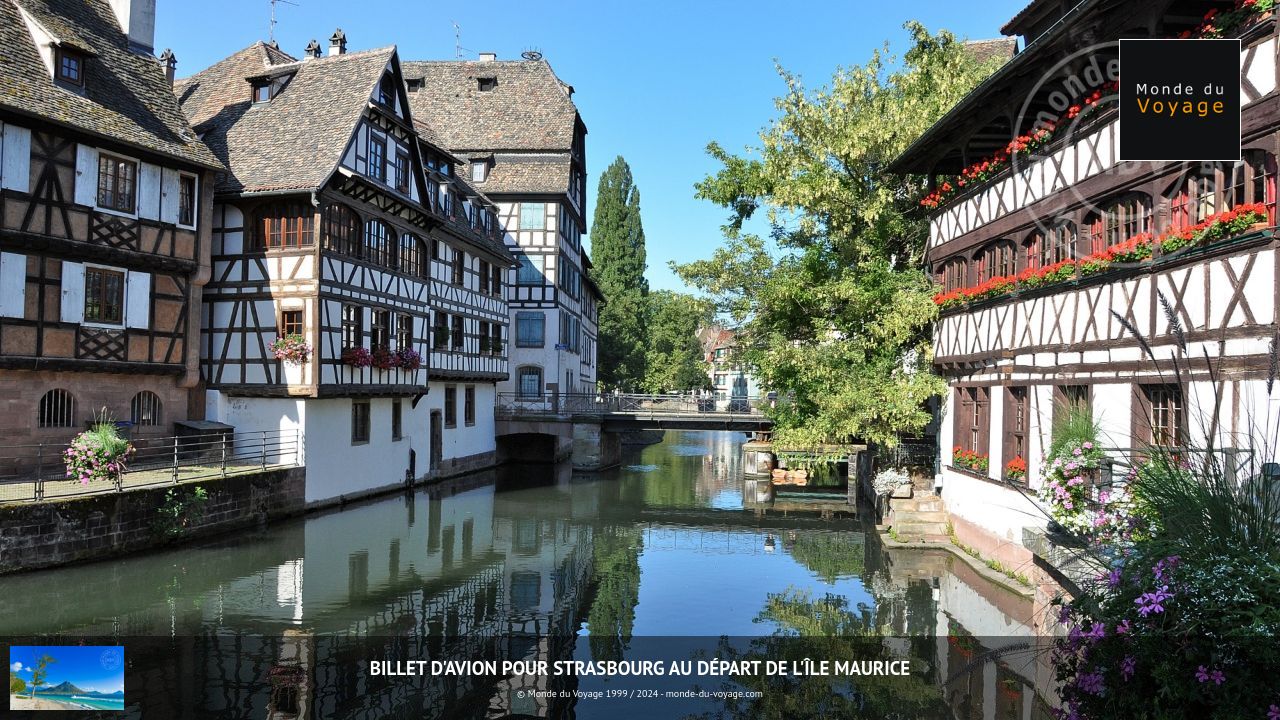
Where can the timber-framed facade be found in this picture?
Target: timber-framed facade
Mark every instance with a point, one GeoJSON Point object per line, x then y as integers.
{"type": "Point", "coordinates": [1052, 270]}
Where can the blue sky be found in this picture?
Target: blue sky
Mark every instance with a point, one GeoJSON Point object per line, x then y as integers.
{"type": "Point", "coordinates": [655, 81]}
{"type": "Point", "coordinates": [86, 667]}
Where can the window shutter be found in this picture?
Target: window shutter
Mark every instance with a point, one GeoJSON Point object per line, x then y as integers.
{"type": "Point", "coordinates": [13, 285]}
{"type": "Point", "coordinates": [137, 302]}
{"type": "Point", "coordinates": [86, 175]}
{"type": "Point", "coordinates": [169, 196]}
{"type": "Point", "coordinates": [148, 191]}
{"type": "Point", "coordinates": [1097, 234]}
{"type": "Point", "coordinates": [1179, 211]}
{"type": "Point", "coordinates": [15, 162]}
{"type": "Point", "coordinates": [72, 310]}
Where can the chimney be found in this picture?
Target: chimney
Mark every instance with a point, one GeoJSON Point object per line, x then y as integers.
{"type": "Point", "coordinates": [170, 64]}
{"type": "Point", "coordinates": [488, 57]}
{"type": "Point", "coordinates": [137, 19]}
{"type": "Point", "coordinates": [338, 43]}
{"type": "Point", "coordinates": [312, 51]}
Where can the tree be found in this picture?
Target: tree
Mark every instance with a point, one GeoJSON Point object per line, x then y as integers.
{"type": "Point", "coordinates": [40, 672]}
{"type": "Point", "coordinates": [673, 358]}
{"type": "Point", "coordinates": [618, 256]}
{"type": "Point", "coordinates": [16, 684]}
{"type": "Point", "coordinates": [835, 319]}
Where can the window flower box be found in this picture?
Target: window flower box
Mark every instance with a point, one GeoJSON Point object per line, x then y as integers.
{"type": "Point", "coordinates": [408, 359]}
{"type": "Point", "coordinates": [291, 349]}
{"type": "Point", "coordinates": [357, 357]}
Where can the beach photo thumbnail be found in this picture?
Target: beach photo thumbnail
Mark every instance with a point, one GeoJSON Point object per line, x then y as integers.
{"type": "Point", "coordinates": [66, 677]}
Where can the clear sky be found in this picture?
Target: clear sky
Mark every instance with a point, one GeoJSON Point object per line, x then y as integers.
{"type": "Point", "coordinates": [654, 81]}
{"type": "Point", "coordinates": [90, 668]}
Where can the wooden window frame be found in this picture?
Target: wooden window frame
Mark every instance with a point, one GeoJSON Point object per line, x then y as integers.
{"type": "Point", "coordinates": [527, 279]}
{"type": "Point", "coordinates": [529, 370]}
{"type": "Point", "coordinates": [402, 171]}
{"type": "Point", "coordinates": [292, 321]}
{"type": "Point", "coordinates": [973, 419]}
{"type": "Point", "coordinates": [458, 267]}
{"type": "Point", "coordinates": [61, 56]}
{"type": "Point", "coordinates": [352, 326]}
{"type": "Point", "coordinates": [96, 316]}
{"type": "Point", "coordinates": [495, 282]}
{"type": "Point", "coordinates": [954, 274]}
{"type": "Point", "coordinates": [1148, 399]}
{"type": "Point", "coordinates": [520, 216]}
{"type": "Point", "coordinates": [440, 331]}
{"type": "Point", "coordinates": [997, 259]}
{"type": "Point", "coordinates": [404, 332]}
{"type": "Point", "coordinates": [1253, 180]}
{"type": "Point", "coordinates": [397, 420]}
{"type": "Point", "coordinates": [360, 422]}
{"type": "Point", "coordinates": [1017, 424]}
{"type": "Point", "coordinates": [1195, 196]}
{"type": "Point", "coordinates": [341, 229]}
{"type": "Point", "coordinates": [378, 169]}
{"type": "Point", "coordinates": [412, 256]}
{"type": "Point", "coordinates": [528, 317]}
{"type": "Point", "coordinates": [469, 406]}
{"type": "Point", "coordinates": [1116, 221]}
{"type": "Point", "coordinates": [457, 332]}
{"type": "Point", "coordinates": [377, 245]}
{"type": "Point", "coordinates": [285, 225]}
{"type": "Point", "coordinates": [486, 276]}
{"type": "Point", "coordinates": [110, 181]}
{"type": "Point", "coordinates": [380, 329]}
{"type": "Point", "coordinates": [450, 406]}
{"type": "Point", "coordinates": [387, 92]}
{"type": "Point", "coordinates": [188, 199]}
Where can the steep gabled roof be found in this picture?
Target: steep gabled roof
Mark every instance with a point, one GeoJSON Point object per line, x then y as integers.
{"type": "Point", "coordinates": [526, 173]}
{"type": "Point", "coordinates": [126, 96]}
{"type": "Point", "coordinates": [529, 109]}
{"type": "Point", "coordinates": [294, 141]}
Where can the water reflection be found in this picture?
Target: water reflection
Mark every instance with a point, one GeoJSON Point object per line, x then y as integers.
{"type": "Point", "coordinates": [536, 563]}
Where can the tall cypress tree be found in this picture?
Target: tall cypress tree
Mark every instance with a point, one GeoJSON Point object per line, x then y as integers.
{"type": "Point", "coordinates": [618, 256]}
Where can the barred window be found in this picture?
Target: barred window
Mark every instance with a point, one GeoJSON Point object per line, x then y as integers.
{"type": "Point", "coordinates": [144, 409]}
{"type": "Point", "coordinates": [57, 409]}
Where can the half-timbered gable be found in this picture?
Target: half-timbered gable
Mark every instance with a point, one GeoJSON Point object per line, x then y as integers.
{"type": "Point", "coordinates": [1049, 266]}
{"type": "Point", "coordinates": [104, 230]}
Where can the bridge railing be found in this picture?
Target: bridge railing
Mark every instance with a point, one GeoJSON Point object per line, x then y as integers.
{"type": "Point", "coordinates": [512, 404]}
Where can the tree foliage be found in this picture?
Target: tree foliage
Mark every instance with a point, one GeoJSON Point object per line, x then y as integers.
{"type": "Point", "coordinates": [673, 357]}
{"type": "Point", "coordinates": [618, 256]}
{"type": "Point", "coordinates": [834, 307]}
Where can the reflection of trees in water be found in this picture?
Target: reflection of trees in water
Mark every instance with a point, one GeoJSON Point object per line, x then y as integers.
{"type": "Point", "coordinates": [831, 555]}
{"type": "Point", "coordinates": [616, 551]}
{"type": "Point", "coordinates": [818, 629]}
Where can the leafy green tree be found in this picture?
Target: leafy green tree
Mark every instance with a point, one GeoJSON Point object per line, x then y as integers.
{"type": "Point", "coordinates": [673, 358]}
{"type": "Point", "coordinates": [40, 672]}
{"type": "Point", "coordinates": [618, 257]}
{"type": "Point", "coordinates": [833, 308]}
{"type": "Point", "coordinates": [16, 684]}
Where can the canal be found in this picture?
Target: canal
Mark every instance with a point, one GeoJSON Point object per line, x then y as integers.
{"type": "Point", "coordinates": [674, 556]}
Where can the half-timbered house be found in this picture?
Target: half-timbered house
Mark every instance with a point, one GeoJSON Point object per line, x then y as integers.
{"type": "Point", "coordinates": [321, 247]}
{"type": "Point", "coordinates": [104, 223]}
{"type": "Point", "coordinates": [1052, 266]}
{"type": "Point", "coordinates": [515, 125]}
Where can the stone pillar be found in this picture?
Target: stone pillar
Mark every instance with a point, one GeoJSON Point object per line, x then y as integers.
{"type": "Point", "coordinates": [758, 458]}
{"type": "Point", "coordinates": [593, 448]}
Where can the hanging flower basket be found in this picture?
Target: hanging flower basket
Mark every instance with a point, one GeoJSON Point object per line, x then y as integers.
{"type": "Point", "coordinates": [357, 357]}
{"type": "Point", "coordinates": [99, 453]}
{"type": "Point", "coordinates": [291, 349]}
{"type": "Point", "coordinates": [383, 359]}
{"type": "Point", "coordinates": [408, 359]}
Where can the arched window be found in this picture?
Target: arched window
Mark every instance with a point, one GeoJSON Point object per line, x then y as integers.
{"type": "Point", "coordinates": [413, 255]}
{"type": "Point", "coordinates": [1118, 220]}
{"type": "Point", "coordinates": [1253, 180]}
{"type": "Point", "coordinates": [144, 409]}
{"type": "Point", "coordinates": [377, 243]}
{"type": "Point", "coordinates": [1194, 198]}
{"type": "Point", "coordinates": [954, 274]}
{"type": "Point", "coordinates": [1046, 247]}
{"type": "Point", "coordinates": [285, 225]}
{"type": "Point", "coordinates": [529, 381]}
{"type": "Point", "coordinates": [996, 260]}
{"type": "Point", "coordinates": [340, 229]}
{"type": "Point", "coordinates": [57, 409]}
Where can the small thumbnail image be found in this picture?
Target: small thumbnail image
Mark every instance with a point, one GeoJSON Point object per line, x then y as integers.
{"type": "Point", "coordinates": [66, 677]}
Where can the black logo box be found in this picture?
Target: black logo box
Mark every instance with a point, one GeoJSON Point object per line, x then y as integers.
{"type": "Point", "coordinates": [1191, 65]}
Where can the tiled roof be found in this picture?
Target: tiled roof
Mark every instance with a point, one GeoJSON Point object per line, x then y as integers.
{"type": "Point", "coordinates": [529, 109]}
{"type": "Point", "coordinates": [126, 95]}
{"type": "Point", "coordinates": [294, 141]}
{"type": "Point", "coordinates": [528, 173]}
{"type": "Point", "coordinates": [985, 50]}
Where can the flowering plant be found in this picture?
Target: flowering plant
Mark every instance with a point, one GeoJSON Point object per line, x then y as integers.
{"type": "Point", "coordinates": [888, 480]}
{"type": "Point", "coordinates": [1221, 24]}
{"type": "Point", "coordinates": [1048, 274]}
{"type": "Point", "coordinates": [382, 359]}
{"type": "Point", "coordinates": [357, 357]}
{"type": "Point", "coordinates": [408, 358]}
{"type": "Point", "coordinates": [291, 349]}
{"type": "Point", "coordinates": [1067, 485]}
{"type": "Point", "coordinates": [971, 459]}
{"type": "Point", "coordinates": [99, 453]}
{"type": "Point", "coordinates": [1015, 469]}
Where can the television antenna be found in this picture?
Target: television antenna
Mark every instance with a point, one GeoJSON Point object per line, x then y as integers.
{"type": "Point", "coordinates": [457, 40]}
{"type": "Point", "coordinates": [271, 30]}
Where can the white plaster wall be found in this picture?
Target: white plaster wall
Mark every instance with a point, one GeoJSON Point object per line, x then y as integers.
{"type": "Point", "coordinates": [947, 427]}
{"type": "Point", "coordinates": [1113, 411]}
{"type": "Point", "coordinates": [1001, 510]}
{"type": "Point", "coordinates": [995, 431]}
{"type": "Point", "coordinates": [336, 467]}
{"type": "Point", "coordinates": [461, 441]}
{"type": "Point", "coordinates": [279, 417]}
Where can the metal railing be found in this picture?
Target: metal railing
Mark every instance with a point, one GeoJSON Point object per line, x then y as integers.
{"type": "Point", "coordinates": [38, 472]}
{"type": "Point", "coordinates": [510, 404]}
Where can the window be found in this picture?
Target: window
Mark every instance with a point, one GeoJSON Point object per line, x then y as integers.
{"type": "Point", "coordinates": [954, 275]}
{"type": "Point", "coordinates": [459, 266]}
{"type": "Point", "coordinates": [437, 250]}
{"type": "Point", "coordinates": [285, 225]}
{"type": "Point", "coordinates": [1165, 416]}
{"type": "Point", "coordinates": [479, 170]}
{"type": "Point", "coordinates": [533, 216]}
{"type": "Point", "coordinates": [377, 243]}
{"type": "Point", "coordinates": [440, 331]}
{"type": "Point", "coordinates": [722, 380]}
{"type": "Point", "coordinates": [996, 260]}
{"type": "Point", "coordinates": [469, 405]}
{"type": "Point", "coordinates": [387, 91]}
{"type": "Point", "coordinates": [570, 328]}
{"type": "Point", "coordinates": [486, 84]}
{"type": "Point", "coordinates": [1194, 199]}
{"type": "Point", "coordinates": [70, 66]}
{"type": "Point", "coordinates": [187, 202]}
{"type": "Point", "coordinates": [450, 406]}
{"type": "Point", "coordinates": [413, 256]}
{"type": "Point", "coordinates": [262, 91]}
{"type": "Point", "coordinates": [531, 270]}
{"type": "Point", "coordinates": [103, 296]}
{"type": "Point", "coordinates": [352, 326]}
{"type": "Point", "coordinates": [495, 284]}
{"type": "Point", "coordinates": [117, 183]}
{"type": "Point", "coordinates": [402, 172]}
{"type": "Point", "coordinates": [1118, 221]}
{"type": "Point", "coordinates": [485, 277]}
{"type": "Point", "coordinates": [359, 422]}
{"type": "Point", "coordinates": [57, 409]}
{"type": "Point", "coordinates": [529, 382]}
{"type": "Point", "coordinates": [380, 330]}
{"type": "Point", "coordinates": [570, 280]}
{"type": "Point", "coordinates": [404, 331]}
{"type": "Point", "coordinates": [1253, 180]}
{"type": "Point", "coordinates": [1016, 423]}
{"type": "Point", "coordinates": [340, 229]}
{"type": "Point", "coordinates": [456, 335]}
{"type": "Point", "coordinates": [971, 418]}
{"type": "Point", "coordinates": [1047, 247]}
{"type": "Point", "coordinates": [377, 158]}
{"type": "Point", "coordinates": [397, 420]}
{"type": "Point", "coordinates": [530, 329]}
{"type": "Point", "coordinates": [290, 322]}
{"type": "Point", "coordinates": [144, 409]}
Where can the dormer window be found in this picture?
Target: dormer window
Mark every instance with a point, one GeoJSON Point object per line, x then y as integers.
{"type": "Point", "coordinates": [486, 84]}
{"type": "Point", "coordinates": [262, 92]}
{"type": "Point", "coordinates": [479, 170]}
{"type": "Point", "coordinates": [69, 66]}
{"type": "Point", "coordinates": [387, 91]}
